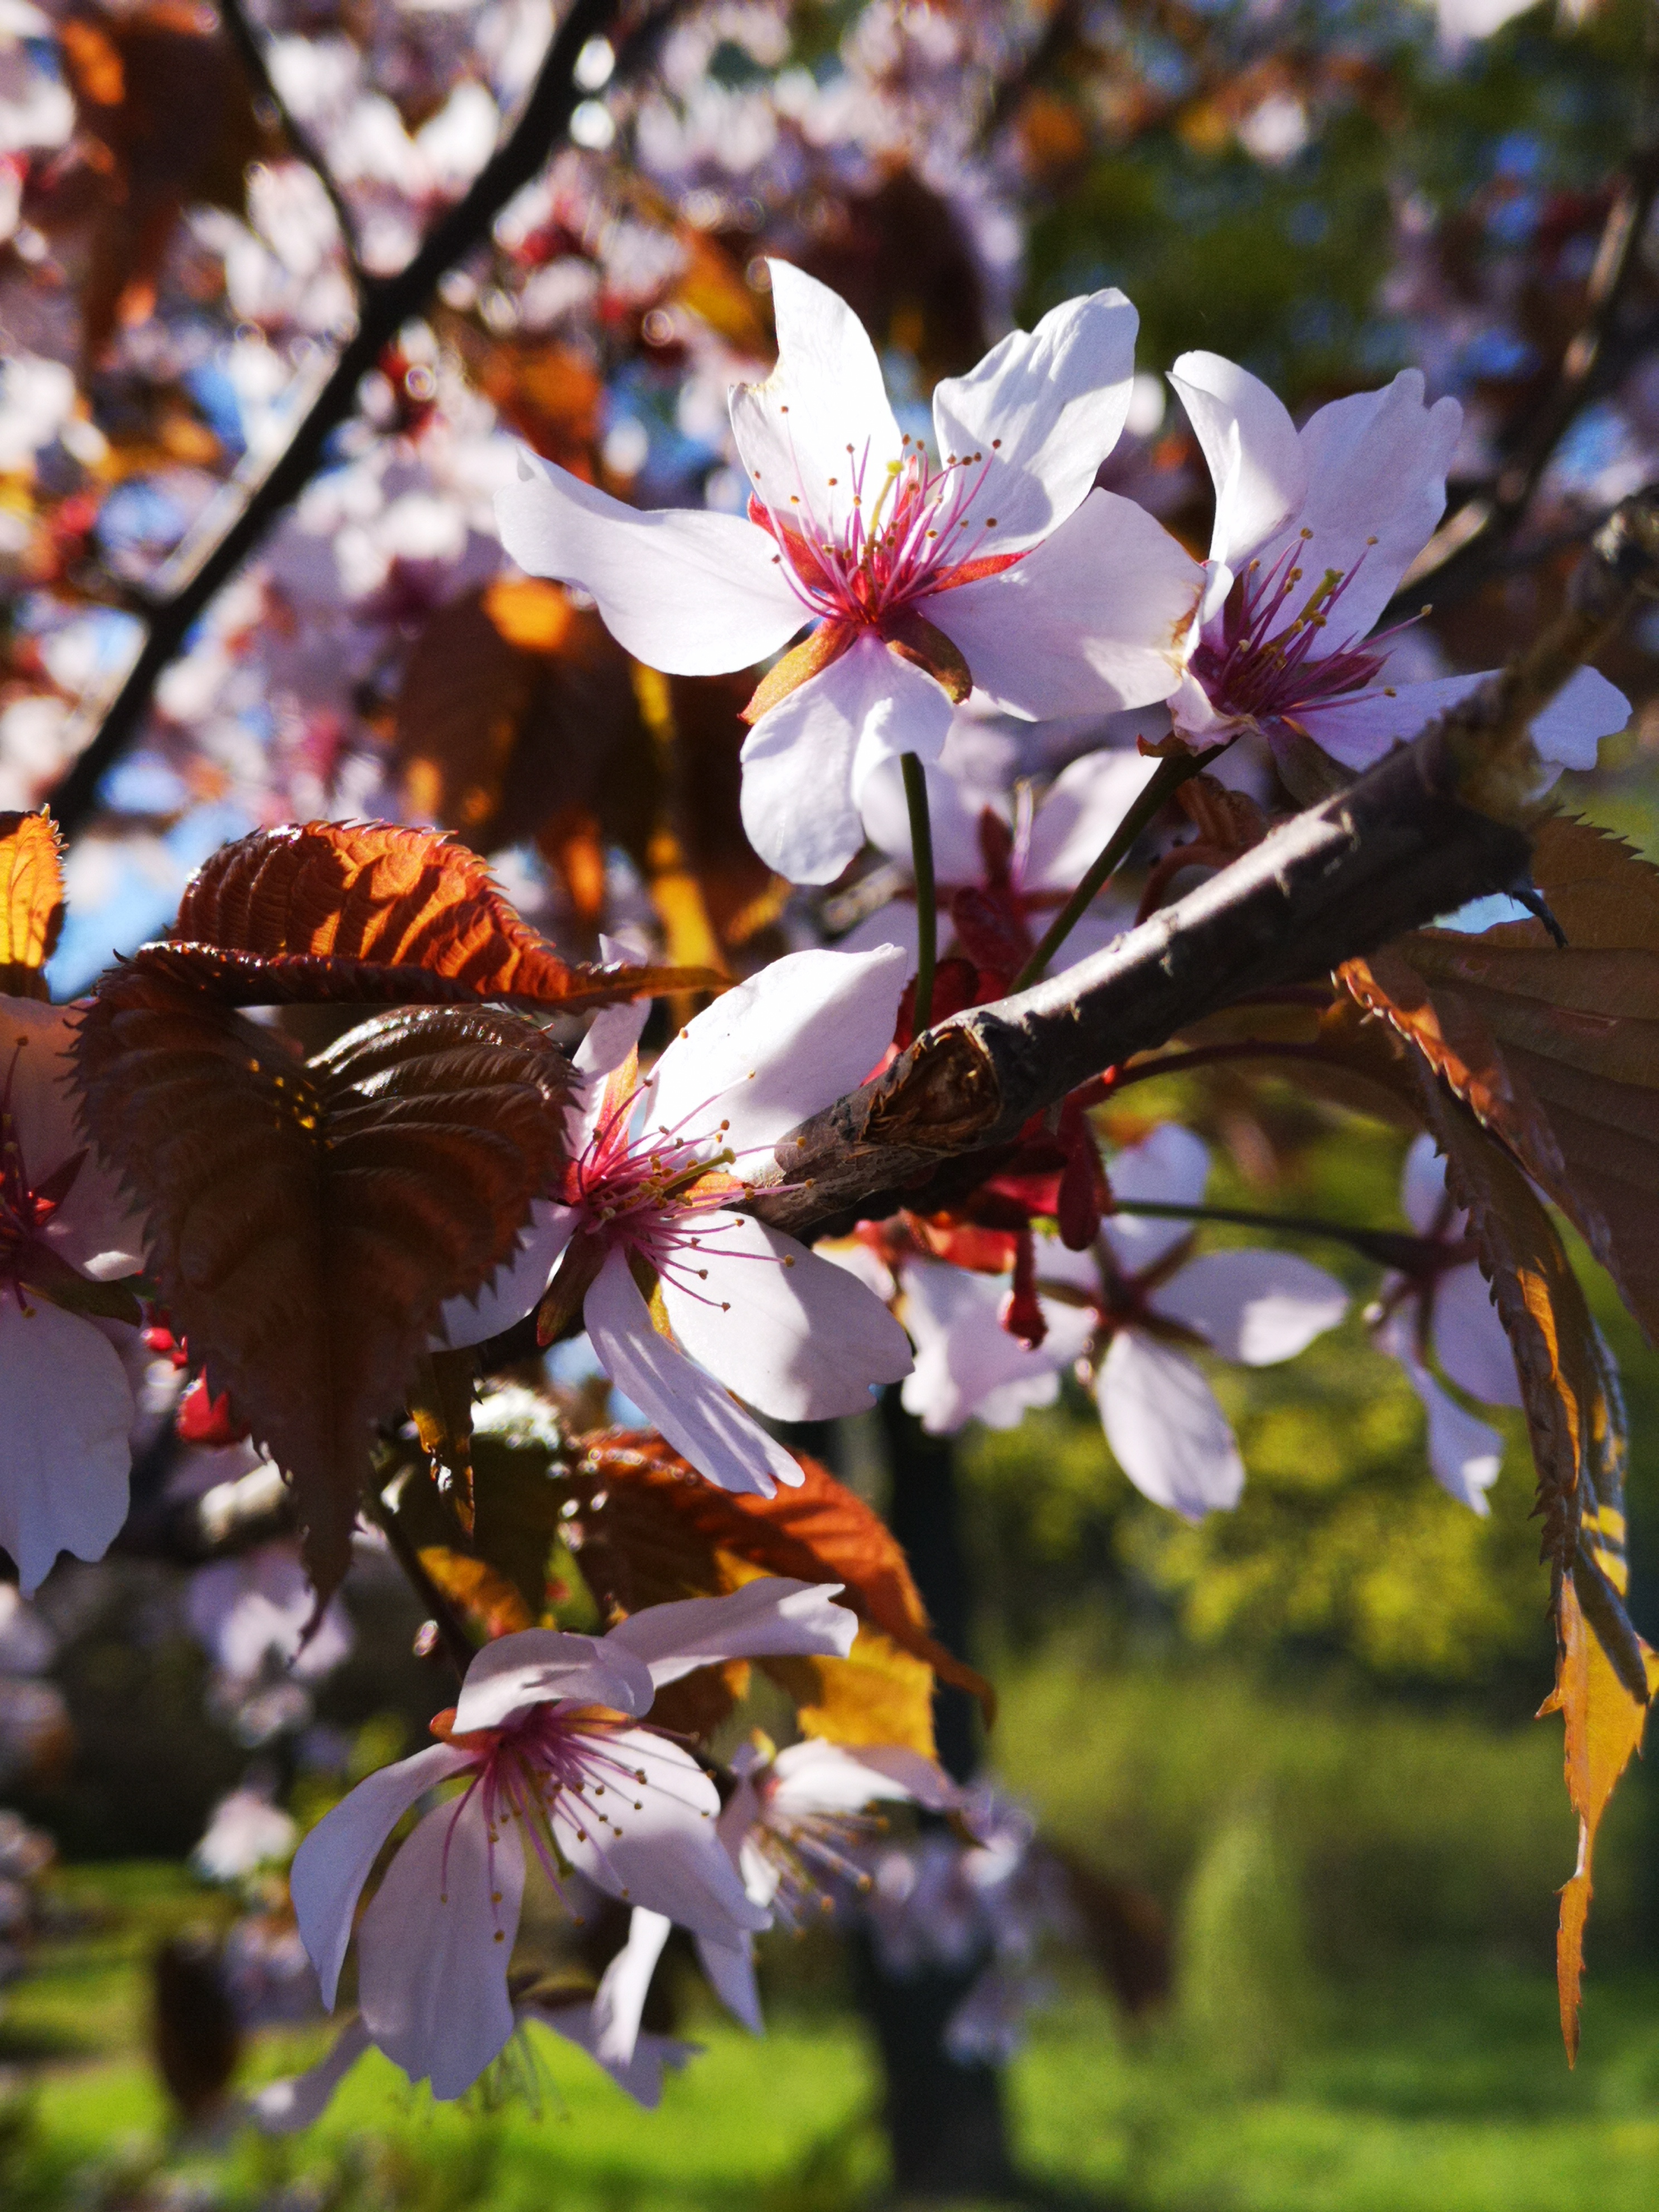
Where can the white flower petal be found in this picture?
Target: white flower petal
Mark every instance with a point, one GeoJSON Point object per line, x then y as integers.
{"type": "Point", "coordinates": [731, 1971]}
{"type": "Point", "coordinates": [334, 1861]}
{"type": "Point", "coordinates": [689, 592]}
{"type": "Point", "coordinates": [1255, 457]}
{"type": "Point", "coordinates": [702, 1421]}
{"type": "Point", "coordinates": [799, 787]}
{"type": "Point", "coordinates": [536, 1666]}
{"type": "Point", "coordinates": [1254, 1306]}
{"type": "Point", "coordinates": [283, 2108]}
{"type": "Point", "coordinates": [1423, 1187]}
{"type": "Point", "coordinates": [954, 809]}
{"type": "Point", "coordinates": [816, 1776]}
{"type": "Point", "coordinates": [1465, 1455]}
{"type": "Point", "coordinates": [1586, 710]}
{"type": "Point", "coordinates": [802, 1340]}
{"type": "Point", "coordinates": [771, 1617]}
{"type": "Point", "coordinates": [516, 1287]}
{"type": "Point", "coordinates": [967, 1363]}
{"type": "Point", "coordinates": [619, 2001]}
{"type": "Point", "coordinates": [1078, 813]}
{"type": "Point", "coordinates": [65, 1412]}
{"type": "Point", "coordinates": [824, 396]}
{"type": "Point", "coordinates": [1469, 1339]}
{"type": "Point", "coordinates": [1357, 732]}
{"type": "Point", "coordinates": [1044, 410]}
{"type": "Point", "coordinates": [774, 1050]}
{"type": "Point", "coordinates": [1169, 1167]}
{"type": "Point", "coordinates": [1170, 1436]}
{"type": "Point", "coordinates": [1376, 487]}
{"type": "Point", "coordinates": [1089, 622]}
{"type": "Point", "coordinates": [669, 1856]}
{"type": "Point", "coordinates": [642, 2078]}
{"type": "Point", "coordinates": [434, 1947]}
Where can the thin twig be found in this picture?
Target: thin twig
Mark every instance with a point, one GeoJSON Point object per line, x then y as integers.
{"type": "Point", "coordinates": [109, 727]}
{"type": "Point", "coordinates": [1470, 544]}
{"type": "Point", "coordinates": [921, 862]}
{"type": "Point", "coordinates": [1389, 1247]}
{"type": "Point", "coordinates": [1172, 772]}
{"type": "Point", "coordinates": [239, 30]}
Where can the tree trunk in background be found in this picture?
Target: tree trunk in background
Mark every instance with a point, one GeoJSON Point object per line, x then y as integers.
{"type": "Point", "coordinates": [946, 2121]}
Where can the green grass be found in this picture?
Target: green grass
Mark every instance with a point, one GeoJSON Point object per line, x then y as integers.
{"type": "Point", "coordinates": [1439, 2086]}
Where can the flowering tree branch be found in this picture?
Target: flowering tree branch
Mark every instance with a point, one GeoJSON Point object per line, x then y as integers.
{"type": "Point", "coordinates": [1435, 824]}
{"type": "Point", "coordinates": [240, 31]}
{"type": "Point", "coordinates": [1470, 545]}
{"type": "Point", "coordinates": [108, 724]}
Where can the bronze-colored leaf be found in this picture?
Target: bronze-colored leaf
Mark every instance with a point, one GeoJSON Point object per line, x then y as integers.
{"type": "Point", "coordinates": [1556, 1049]}
{"type": "Point", "coordinates": [821, 1532]}
{"type": "Point", "coordinates": [1607, 1673]}
{"type": "Point", "coordinates": [306, 1222]}
{"type": "Point", "coordinates": [31, 902]}
{"type": "Point", "coordinates": [369, 912]}
{"type": "Point", "coordinates": [517, 707]}
{"type": "Point", "coordinates": [879, 1693]}
{"type": "Point", "coordinates": [486, 1601]}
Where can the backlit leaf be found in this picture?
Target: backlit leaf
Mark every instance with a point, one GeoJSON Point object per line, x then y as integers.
{"type": "Point", "coordinates": [485, 1601]}
{"type": "Point", "coordinates": [31, 902]}
{"type": "Point", "coordinates": [1576, 1419]}
{"type": "Point", "coordinates": [1556, 1049]}
{"type": "Point", "coordinates": [367, 912]}
{"type": "Point", "coordinates": [879, 1693]}
{"type": "Point", "coordinates": [819, 1532]}
{"type": "Point", "coordinates": [306, 1221]}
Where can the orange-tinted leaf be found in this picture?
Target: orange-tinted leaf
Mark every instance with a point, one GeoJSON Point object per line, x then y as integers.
{"type": "Point", "coordinates": [1556, 1049]}
{"type": "Point", "coordinates": [31, 902]}
{"type": "Point", "coordinates": [365, 912]}
{"type": "Point", "coordinates": [879, 1693]}
{"type": "Point", "coordinates": [1604, 1726]}
{"type": "Point", "coordinates": [821, 1532]}
{"type": "Point", "coordinates": [1576, 1419]}
{"type": "Point", "coordinates": [485, 1601]}
{"type": "Point", "coordinates": [306, 1222]}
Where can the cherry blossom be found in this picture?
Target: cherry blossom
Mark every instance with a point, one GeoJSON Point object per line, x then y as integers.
{"type": "Point", "coordinates": [655, 1165]}
{"type": "Point", "coordinates": [1129, 1310]}
{"type": "Point", "coordinates": [1446, 1314]}
{"type": "Point", "coordinates": [994, 566]}
{"type": "Point", "coordinates": [545, 1737]}
{"type": "Point", "coordinates": [790, 1825]}
{"type": "Point", "coordinates": [68, 1406]}
{"type": "Point", "coordinates": [1314, 529]}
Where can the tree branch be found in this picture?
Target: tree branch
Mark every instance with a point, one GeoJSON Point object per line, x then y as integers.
{"type": "Point", "coordinates": [108, 727]}
{"type": "Point", "coordinates": [239, 30]}
{"type": "Point", "coordinates": [1436, 823]}
{"type": "Point", "coordinates": [1469, 546]}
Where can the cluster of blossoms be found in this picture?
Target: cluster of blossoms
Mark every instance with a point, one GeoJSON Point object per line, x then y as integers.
{"type": "Point", "coordinates": [963, 606]}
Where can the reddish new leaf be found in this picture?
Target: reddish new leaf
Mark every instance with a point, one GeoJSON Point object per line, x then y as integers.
{"type": "Point", "coordinates": [367, 912]}
{"type": "Point", "coordinates": [31, 902]}
{"type": "Point", "coordinates": [306, 1222]}
{"type": "Point", "coordinates": [1555, 1048]}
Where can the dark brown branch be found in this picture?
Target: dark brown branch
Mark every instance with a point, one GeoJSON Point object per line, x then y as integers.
{"type": "Point", "coordinates": [1470, 545]}
{"type": "Point", "coordinates": [240, 31]}
{"type": "Point", "coordinates": [386, 305]}
{"type": "Point", "coordinates": [1437, 823]}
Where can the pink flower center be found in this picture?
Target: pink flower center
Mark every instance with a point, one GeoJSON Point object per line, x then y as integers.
{"type": "Point", "coordinates": [662, 1193]}
{"type": "Point", "coordinates": [560, 1776]}
{"type": "Point", "coordinates": [874, 548]}
{"type": "Point", "coordinates": [810, 1852]}
{"type": "Point", "coordinates": [1255, 667]}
